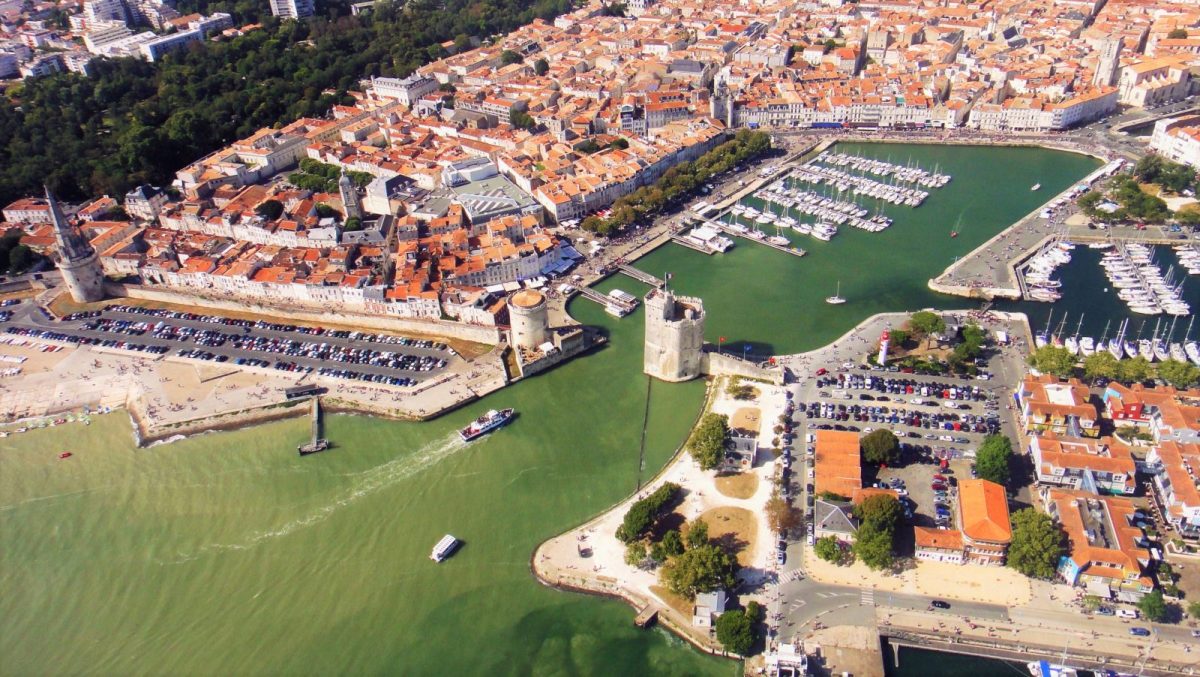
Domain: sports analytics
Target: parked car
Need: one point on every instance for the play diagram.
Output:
(1139, 632)
(937, 603)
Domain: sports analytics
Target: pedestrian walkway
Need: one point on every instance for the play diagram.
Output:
(868, 597)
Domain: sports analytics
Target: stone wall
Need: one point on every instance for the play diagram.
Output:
(466, 332)
(717, 364)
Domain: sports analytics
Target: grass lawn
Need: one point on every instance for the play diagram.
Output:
(737, 485)
(735, 529)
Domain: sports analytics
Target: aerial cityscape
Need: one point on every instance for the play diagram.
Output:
(844, 337)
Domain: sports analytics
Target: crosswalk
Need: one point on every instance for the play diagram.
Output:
(868, 597)
(793, 575)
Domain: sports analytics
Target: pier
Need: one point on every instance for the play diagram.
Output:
(640, 276)
(593, 295)
(724, 228)
(646, 616)
(684, 242)
(317, 443)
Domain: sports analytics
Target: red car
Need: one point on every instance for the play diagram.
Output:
(937, 486)
(939, 478)
(822, 371)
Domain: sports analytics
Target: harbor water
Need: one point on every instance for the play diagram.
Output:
(229, 554)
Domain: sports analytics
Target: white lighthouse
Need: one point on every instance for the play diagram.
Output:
(883, 347)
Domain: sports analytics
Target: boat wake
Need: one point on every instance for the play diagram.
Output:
(367, 482)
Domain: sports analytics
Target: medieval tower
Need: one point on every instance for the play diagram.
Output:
(77, 260)
(674, 336)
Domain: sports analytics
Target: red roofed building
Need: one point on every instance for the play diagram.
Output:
(1107, 552)
(1176, 469)
(1100, 466)
(1049, 404)
(983, 518)
(939, 545)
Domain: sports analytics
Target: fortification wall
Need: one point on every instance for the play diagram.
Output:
(717, 364)
(466, 332)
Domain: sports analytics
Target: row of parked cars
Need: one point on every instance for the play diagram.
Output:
(86, 340)
(903, 386)
(365, 337)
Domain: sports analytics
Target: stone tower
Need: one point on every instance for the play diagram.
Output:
(527, 313)
(77, 260)
(350, 198)
(1110, 62)
(674, 336)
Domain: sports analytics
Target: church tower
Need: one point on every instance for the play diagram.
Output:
(350, 198)
(77, 260)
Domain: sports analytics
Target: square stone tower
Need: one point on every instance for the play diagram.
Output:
(674, 336)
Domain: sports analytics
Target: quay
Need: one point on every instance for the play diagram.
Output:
(317, 443)
(640, 276)
(646, 616)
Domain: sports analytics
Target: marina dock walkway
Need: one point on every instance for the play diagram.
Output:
(593, 295)
(640, 276)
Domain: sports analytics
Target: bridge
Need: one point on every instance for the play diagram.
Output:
(593, 295)
(640, 276)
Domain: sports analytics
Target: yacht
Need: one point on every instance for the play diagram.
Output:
(1048, 669)
(1036, 186)
(444, 548)
(1087, 346)
(836, 299)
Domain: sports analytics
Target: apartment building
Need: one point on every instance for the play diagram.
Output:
(1101, 466)
(1178, 139)
(1107, 553)
(1047, 404)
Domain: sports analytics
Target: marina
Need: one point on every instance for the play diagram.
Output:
(327, 522)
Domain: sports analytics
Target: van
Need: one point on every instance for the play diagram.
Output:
(1127, 613)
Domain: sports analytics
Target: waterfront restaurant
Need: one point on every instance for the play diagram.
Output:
(1049, 404)
(1107, 553)
(983, 518)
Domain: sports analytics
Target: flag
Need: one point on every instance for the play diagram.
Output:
(669, 276)
(721, 340)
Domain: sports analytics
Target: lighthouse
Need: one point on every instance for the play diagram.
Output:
(883, 346)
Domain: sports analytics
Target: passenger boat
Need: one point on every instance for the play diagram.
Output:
(486, 424)
(444, 548)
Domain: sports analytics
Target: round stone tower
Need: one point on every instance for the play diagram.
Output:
(674, 336)
(529, 318)
(77, 259)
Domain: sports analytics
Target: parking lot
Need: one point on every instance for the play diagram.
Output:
(352, 355)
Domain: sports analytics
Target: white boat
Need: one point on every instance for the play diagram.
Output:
(836, 299)
(1193, 352)
(1087, 346)
(1048, 669)
(1036, 186)
(1177, 352)
(1072, 345)
(444, 548)
(486, 424)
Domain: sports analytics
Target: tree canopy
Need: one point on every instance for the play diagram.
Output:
(700, 569)
(707, 442)
(1100, 364)
(880, 447)
(828, 549)
(877, 516)
(735, 631)
(781, 515)
(925, 322)
(1037, 544)
(1153, 607)
(1053, 360)
(993, 458)
(1179, 374)
(134, 122)
(641, 515)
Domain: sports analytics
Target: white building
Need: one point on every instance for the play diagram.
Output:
(405, 90)
(1178, 139)
(292, 9)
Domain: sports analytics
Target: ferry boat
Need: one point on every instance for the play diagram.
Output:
(486, 424)
(1048, 669)
(444, 548)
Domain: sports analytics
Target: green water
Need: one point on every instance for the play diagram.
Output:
(228, 554)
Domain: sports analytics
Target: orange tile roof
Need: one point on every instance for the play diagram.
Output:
(942, 539)
(837, 463)
(984, 508)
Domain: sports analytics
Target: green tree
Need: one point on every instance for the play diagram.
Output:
(707, 442)
(352, 224)
(1177, 34)
(701, 569)
(881, 511)
(1194, 610)
(20, 259)
(781, 515)
(635, 553)
(925, 322)
(1100, 364)
(874, 548)
(672, 543)
(520, 119)
(735, 632)
(993, 458)
(880, 447)
(1179, 374)
(828, 549)
(1153, 607)
(619, 143)
(1053, 360)
(899, 337)
(269, 209)
(587, 147)
(509, 57)
(1134, 370)
(1037, 544)
(642, 514)
(541, 67)
(697, 534)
